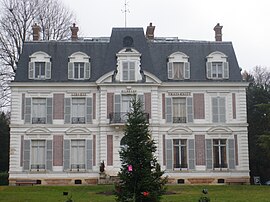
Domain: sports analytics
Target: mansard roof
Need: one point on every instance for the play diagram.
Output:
(102, 53)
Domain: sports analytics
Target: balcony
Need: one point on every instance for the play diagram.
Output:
(121, 117)
(179, 119)
(39, 120)
(78, 120)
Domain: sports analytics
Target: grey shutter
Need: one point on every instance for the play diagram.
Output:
(191, 154)
(49, 111)
(89, 110)
(169, 110)
(222, 110)
(48, 70)
(141, 98)
(89, 154)
(31, 70)
(70, 70)
(189, 109)
(187, 70)
(87, 70)
(170, 70)
(26, 155)
(66, 164)
(117, 103)
(169, 154)
(67, 110)
(209, 158)
(27, 111)
(231, 154)
(209, 70)
(49, 156)
(225, 70)
(215, 114)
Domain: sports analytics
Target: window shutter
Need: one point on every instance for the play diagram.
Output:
(89, 110)
(26, 155)
(49, 111)
(170, 70)
(110, 104)
(89, 154)
(49, 155)
(31, 70)
(209, 70)
(147, 103)
(209, 158)
(48, 70)
(187, 70)
(169, 154)
(87, 70)
(117, 103)
(191, 154)
(215, 117)
(67, 110)
(231, 153)
(189, 109)
(27, 111)
(70, 70)
(169, 110)
(222, 110)
(225, 70)
(66, 165)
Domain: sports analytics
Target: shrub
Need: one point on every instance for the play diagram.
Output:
(4, 178)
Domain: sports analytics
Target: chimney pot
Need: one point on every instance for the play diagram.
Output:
(150, 31)
(36, 32)
(218, 32)
(74, 32)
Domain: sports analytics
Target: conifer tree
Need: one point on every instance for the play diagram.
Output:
(140, 175)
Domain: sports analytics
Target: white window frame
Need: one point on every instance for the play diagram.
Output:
(39, 115)
(78, 157)
(219, 146)
(213, 71)
(74, 110)
(75, 59)
(128, 56)
(38, 155)
(174, 69)
(181, 109)
(180, 146)
(36, 59)
(219, 110)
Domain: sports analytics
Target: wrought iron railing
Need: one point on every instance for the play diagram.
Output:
(179, 119)
(78, 120)
(121, 117)
(39, 120)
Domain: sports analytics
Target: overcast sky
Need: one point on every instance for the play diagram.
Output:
(245, 22)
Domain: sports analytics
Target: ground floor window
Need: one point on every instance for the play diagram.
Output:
(220, 153)
(77, 154)
(38, 154)
(179, 153)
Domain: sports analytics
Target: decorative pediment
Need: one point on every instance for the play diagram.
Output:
(38, 131)
(219, 130)
(183, 130)
(78, 131)
(106, 78)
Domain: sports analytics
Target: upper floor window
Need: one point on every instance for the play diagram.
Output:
(217, 66)
(79, 66)
(218, 109)
(128, 65)
(178, 66)
(39, 66)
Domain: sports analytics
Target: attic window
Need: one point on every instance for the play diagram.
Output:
(217, 66)
(178, 66)
(79, 66)
(39, 66)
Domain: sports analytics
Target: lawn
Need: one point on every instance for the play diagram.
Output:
(101, 193)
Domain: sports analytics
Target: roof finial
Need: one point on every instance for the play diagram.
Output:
(125, 11)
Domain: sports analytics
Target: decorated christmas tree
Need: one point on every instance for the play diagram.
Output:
(140, 175)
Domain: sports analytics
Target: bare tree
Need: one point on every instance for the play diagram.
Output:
(16, 20)
(261, 75)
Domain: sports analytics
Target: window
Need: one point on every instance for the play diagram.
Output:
(78, 110)
(79, 66)
(218, 110)
(38, 155)
(128, 65)
(179, 153)
(217, 66)
(178, 66)
(39, 112)
(219, 153)
(78, 154)
(39, 66)
(179, 110)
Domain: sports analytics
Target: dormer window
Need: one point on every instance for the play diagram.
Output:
(128, 65)
(217, 66)
(79, 66)
(178, 66)
(39, 66)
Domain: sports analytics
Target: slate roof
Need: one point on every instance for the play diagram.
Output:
(154, 56)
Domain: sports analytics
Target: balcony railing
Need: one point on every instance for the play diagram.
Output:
(37, 167)
(121, 117)
(180, 166)
(77, 167)
(39, 120)
(223, 165)
(179, 119)
(78, 120)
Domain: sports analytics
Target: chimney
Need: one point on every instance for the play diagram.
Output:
(218, 32)
(36, 32)
(74, 32)
(150, 31)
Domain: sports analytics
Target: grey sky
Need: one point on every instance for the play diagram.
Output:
(245, 23)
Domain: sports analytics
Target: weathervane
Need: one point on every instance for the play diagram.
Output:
(125, 11)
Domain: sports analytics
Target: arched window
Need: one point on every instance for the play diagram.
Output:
(79, 66)
(217, 66)
(39, 66)
(178, 66)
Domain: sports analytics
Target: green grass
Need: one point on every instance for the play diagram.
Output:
(178, 193)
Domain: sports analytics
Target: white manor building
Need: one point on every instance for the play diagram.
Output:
(70, 99)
